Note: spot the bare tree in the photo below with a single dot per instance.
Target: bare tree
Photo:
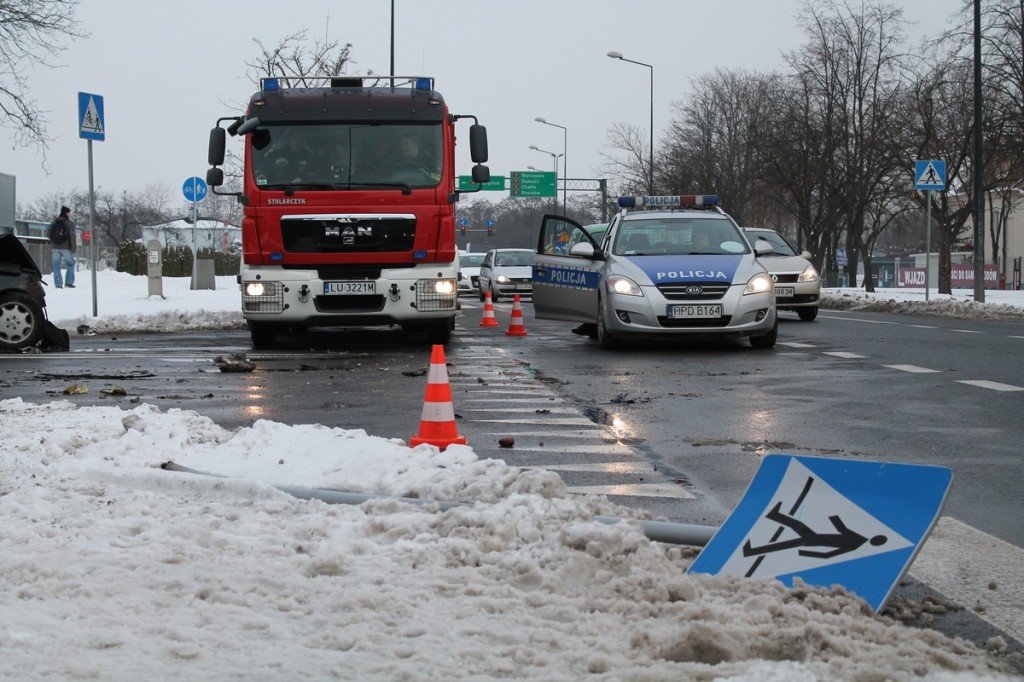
(294, 57)
(712, 145)
(629, 168)
(32, 33)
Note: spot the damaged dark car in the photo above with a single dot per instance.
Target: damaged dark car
(23, 323)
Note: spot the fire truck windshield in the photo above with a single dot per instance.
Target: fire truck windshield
(347, 155)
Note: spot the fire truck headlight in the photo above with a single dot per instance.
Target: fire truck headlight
(254, 289)
(445, 287)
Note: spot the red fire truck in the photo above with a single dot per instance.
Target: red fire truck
(349, 192)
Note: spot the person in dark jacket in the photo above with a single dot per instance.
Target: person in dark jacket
(62, 241)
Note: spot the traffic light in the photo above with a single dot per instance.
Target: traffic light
(490, 230)
(462, 229)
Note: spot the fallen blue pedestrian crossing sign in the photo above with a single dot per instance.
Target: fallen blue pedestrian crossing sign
(830, 521)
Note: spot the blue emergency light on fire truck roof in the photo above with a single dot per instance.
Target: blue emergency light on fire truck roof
(669, 201)
(270, 84)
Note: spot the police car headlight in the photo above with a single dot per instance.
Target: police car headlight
(760, 283)
(808, 275)
(624, 286)
(502, 279)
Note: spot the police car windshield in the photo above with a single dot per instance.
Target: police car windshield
(677, 236)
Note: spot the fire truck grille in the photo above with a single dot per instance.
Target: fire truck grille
(348, 235)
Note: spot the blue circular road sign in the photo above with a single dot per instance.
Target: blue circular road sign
(194, 189)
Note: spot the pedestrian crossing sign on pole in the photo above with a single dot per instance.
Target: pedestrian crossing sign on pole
(90, 117)
(930, 175)
(828, 521)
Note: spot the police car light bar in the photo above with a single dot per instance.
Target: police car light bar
(669, 201)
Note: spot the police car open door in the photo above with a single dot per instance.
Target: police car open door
(566, 272)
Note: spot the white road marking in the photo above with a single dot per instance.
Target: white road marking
(795, 344)
(637, 467)
(569, 421)
(966, 331)
(845, 355)
(975, 570)
(534, 409)
(635, 490)
(602, 449)
(993, 385)
(913, 369)
(598, 434)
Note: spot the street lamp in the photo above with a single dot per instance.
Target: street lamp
(650, 177)
(555, 157)
(565, 161)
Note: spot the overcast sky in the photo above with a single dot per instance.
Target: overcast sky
(168, 74)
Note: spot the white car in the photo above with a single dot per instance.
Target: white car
(797, 284)
(469, 272)
(682, 269)
(506, 272)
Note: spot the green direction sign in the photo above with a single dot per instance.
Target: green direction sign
(496, 184)
(532, 184)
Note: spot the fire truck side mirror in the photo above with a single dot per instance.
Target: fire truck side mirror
(478, 143)
(214, 177)
(218, 143)
(481, 174)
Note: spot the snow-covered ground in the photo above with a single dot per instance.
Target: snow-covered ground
(112, 568)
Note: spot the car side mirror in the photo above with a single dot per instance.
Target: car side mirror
(807, 255)
(583, 249)
(761, 247)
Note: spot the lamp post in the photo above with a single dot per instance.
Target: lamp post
(555, 157)
(565, 160)
(650, 177)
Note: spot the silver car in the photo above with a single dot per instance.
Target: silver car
(797, 285)
(506, 272)
(683, 269)
(469, 272)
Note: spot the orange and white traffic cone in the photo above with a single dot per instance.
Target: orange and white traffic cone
(515, 326)
(489, 319)
(437, 424)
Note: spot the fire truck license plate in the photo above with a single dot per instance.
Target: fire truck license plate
(785, 292)
(348, 288)
(694, 311)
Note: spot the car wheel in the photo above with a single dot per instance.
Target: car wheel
(480, 290)
(21, 321)
(494, 294)
(262, 335)
(766, 341)
(605, 340)
(807, 314)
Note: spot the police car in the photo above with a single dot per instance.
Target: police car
(671, 266)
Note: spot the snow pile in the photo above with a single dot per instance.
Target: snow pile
(112, 568)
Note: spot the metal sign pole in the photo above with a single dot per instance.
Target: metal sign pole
(928, 244)
(92, 230)
(195, 256)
